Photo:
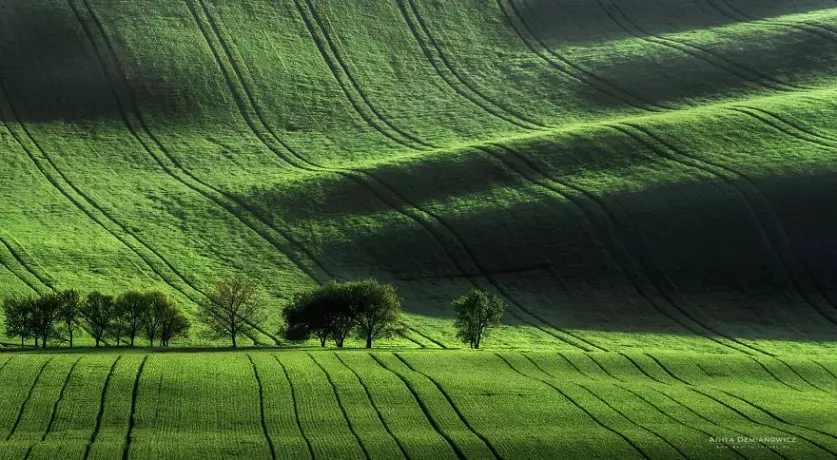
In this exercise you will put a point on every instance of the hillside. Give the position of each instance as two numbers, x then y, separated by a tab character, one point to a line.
631	174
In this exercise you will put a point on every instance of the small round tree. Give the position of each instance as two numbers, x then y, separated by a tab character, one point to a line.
476	313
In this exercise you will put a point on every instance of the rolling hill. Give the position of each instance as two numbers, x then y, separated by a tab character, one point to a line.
631	174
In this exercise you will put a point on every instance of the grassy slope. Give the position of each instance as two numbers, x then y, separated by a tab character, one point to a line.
413	404
627	175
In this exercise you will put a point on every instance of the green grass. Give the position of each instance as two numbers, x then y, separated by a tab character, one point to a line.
412	404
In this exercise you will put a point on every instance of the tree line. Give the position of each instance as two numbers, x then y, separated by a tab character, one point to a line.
234	307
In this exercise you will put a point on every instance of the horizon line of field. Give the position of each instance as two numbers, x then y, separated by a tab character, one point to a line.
460	436
269	336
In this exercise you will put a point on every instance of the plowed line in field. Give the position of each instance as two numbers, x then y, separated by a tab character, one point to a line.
235	207
572	70
418	214
261	408
576	404
101	411
778	241
296	406
710	57
773	375
423	407
349	174
6	363
690	387
824	139
612	235
341	67
832	374
798	374
478	98
28	268
452	405
807	27
374	405
126	450
340	404
54	410
697	389
26	400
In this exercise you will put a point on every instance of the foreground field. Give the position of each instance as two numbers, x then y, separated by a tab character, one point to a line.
433	404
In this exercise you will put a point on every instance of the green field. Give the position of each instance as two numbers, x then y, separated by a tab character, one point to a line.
413	404
648	184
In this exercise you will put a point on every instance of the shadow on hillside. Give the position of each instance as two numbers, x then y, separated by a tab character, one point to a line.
574	21
697	238
51	71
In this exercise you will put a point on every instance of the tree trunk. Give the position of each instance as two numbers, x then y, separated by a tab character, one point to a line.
151	341
323	341
44	341
21	342
235	345
71	337
97	342
132	340
36	341
369	341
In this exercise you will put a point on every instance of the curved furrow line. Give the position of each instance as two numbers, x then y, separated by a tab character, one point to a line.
612	235
420	334
412	211
698	52
773	375
423	408
739	16
765	219
374	405
769	414
261	407
723	427
827	370
20	261
829	141
326	46
101	411
240	210
799	374
126	449
340	405
632	422
625	416
471	93
28	397
58	401
296	406
418	214
570	69
786	249
452	405
573	365
576	404
689	385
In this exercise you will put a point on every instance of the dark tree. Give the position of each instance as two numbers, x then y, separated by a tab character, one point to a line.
232	307
476	312
377	309
131	308
156	305
305	317
173	324
69	304
98	312
18	314
44	316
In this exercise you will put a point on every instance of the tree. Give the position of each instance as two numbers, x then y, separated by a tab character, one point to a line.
69	303
156	305
173	324
43	317
98	312
232	307
377	309
305	317
131	308
477	312
18	312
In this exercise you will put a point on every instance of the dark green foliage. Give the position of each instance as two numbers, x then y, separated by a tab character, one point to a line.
476	313
69	305
44	316
17	312
173	324
98	313
130	314
334	310
233	307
